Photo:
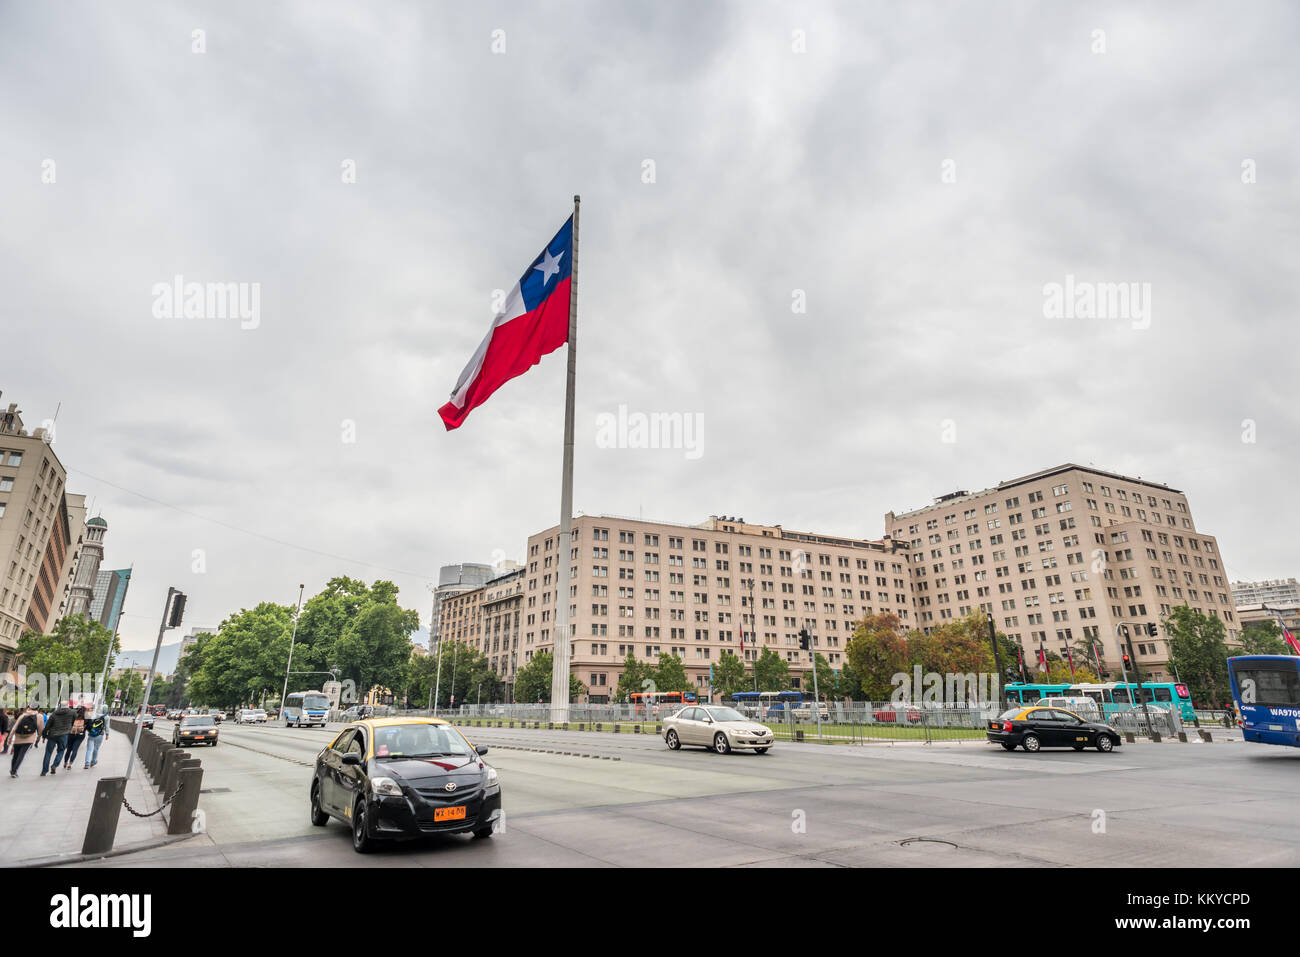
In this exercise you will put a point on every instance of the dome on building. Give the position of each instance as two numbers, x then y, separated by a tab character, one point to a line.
97	521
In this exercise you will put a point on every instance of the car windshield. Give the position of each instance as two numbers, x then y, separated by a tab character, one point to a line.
725	714
419	741
316	702
1010	714
197	721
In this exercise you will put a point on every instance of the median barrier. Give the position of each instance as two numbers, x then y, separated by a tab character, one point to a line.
636	728
1182	736
616	728
1129	737
550	726
598	725
1206	736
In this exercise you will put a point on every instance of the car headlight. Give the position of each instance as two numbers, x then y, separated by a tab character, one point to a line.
491	775
386	787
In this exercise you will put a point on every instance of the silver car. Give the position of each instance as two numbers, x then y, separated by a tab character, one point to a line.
720	728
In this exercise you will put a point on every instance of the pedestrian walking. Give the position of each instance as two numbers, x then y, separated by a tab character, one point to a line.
96	735
5	723
27	729
75	737
57	728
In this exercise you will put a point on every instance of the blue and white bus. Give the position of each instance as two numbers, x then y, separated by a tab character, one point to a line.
305	709
1266	689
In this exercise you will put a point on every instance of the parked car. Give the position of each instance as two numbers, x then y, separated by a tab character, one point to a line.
358	712
890	714
377	777
806	713
716	727
1034	728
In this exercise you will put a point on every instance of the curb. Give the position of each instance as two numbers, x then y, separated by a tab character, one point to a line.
116	852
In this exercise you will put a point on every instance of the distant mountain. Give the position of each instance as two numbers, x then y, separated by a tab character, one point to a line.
167	658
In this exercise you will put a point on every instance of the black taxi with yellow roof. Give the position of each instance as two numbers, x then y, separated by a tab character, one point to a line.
1033	728
401	778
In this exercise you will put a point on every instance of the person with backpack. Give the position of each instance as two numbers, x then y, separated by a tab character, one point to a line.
55	734
75	737
27	728
96	735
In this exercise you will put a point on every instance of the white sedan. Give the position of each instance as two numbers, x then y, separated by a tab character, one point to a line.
716	727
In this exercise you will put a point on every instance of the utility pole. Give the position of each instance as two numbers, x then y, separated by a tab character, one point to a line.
292	639
997	662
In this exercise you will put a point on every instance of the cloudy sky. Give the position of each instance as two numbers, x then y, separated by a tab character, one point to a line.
914	173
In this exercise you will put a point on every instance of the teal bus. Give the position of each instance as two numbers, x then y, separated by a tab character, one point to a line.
1112	696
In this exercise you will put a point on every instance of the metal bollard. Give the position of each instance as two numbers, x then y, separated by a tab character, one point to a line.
180	815
598	726
101	829
167	780
1129	737
616	728
550	726
1182	736
636	728
798	734
1206	736
564	726
1155	736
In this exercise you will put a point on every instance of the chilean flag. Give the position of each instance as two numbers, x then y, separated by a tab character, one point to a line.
533	322
1290	638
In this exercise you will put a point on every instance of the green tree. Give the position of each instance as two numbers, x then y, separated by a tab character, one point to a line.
75	646
773	672
630	682
729	675
877	653
1198	650
849	684
467	674
1263	638
533	680
670	674
375	647
247	655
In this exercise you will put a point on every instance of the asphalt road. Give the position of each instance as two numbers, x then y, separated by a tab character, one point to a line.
627	799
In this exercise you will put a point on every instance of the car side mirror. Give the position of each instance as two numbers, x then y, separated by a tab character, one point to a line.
480	749
352	758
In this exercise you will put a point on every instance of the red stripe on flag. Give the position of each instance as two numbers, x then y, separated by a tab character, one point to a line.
516	347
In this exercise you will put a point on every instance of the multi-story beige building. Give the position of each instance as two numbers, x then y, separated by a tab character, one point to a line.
40	533
1063	556
644	587
487	618
1288	612
1274	590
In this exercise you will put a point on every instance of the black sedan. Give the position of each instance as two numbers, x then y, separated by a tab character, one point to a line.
1036	728
195	729
398	778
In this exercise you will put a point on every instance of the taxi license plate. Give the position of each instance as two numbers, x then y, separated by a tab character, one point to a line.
449	814
198	737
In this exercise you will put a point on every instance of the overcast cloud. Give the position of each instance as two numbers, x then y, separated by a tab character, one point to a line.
775	171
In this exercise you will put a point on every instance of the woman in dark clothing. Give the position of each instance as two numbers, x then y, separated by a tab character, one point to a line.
75	737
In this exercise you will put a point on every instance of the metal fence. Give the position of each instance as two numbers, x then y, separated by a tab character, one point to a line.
842	722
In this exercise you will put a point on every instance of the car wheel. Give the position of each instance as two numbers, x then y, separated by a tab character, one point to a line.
1104	743
318	817
484	832
1008	746
362	842
673	741
760	750
1031	743
721	744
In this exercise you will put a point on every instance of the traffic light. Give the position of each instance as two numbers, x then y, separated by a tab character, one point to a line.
805	642
178	611
1127	662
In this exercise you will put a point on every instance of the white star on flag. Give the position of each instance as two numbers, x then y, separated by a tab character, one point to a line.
549	266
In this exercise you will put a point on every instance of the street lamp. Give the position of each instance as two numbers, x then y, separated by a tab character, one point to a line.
292	638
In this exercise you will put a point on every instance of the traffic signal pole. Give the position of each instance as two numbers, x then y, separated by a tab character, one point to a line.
1128	644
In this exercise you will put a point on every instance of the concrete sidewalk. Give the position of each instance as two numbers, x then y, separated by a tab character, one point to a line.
43	819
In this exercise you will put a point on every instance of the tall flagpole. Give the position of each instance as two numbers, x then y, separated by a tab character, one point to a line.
560	672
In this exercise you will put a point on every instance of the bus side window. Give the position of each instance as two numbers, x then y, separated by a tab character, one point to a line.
1162	694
